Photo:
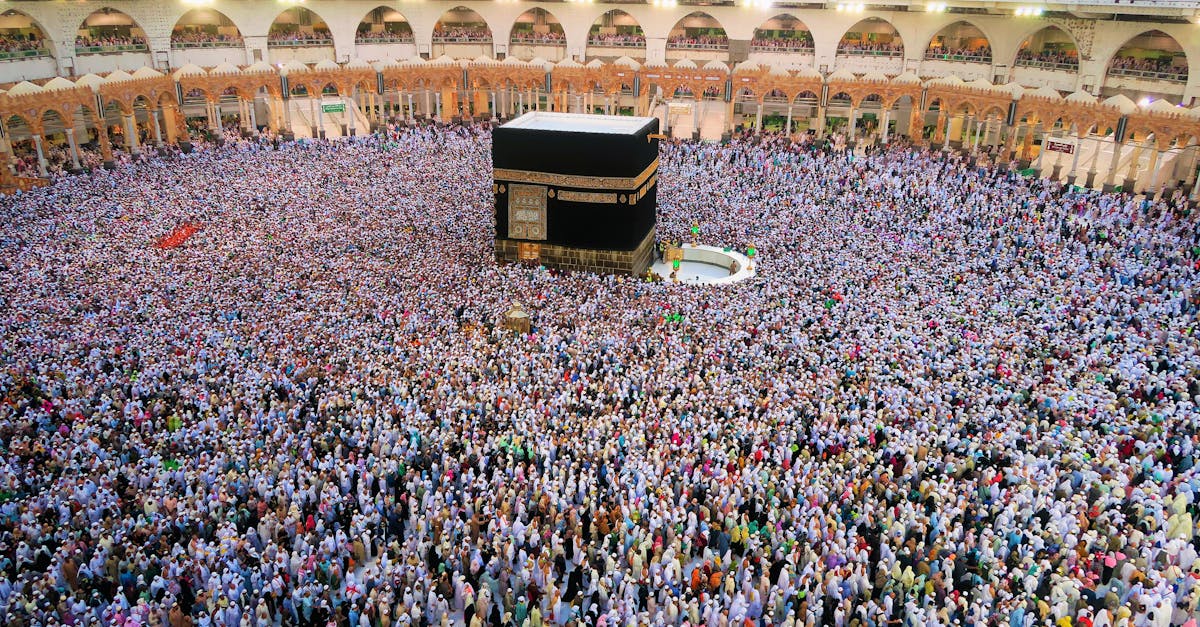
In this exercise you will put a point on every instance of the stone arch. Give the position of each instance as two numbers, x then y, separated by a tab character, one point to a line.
994	110
54	121
805	94
105	24
745	90
554	34
840	98
318	28
1172	69
872	96
963	43
479	30
1063	51
390	29
690	31
8	26
855	40
181	33
768	40
617	28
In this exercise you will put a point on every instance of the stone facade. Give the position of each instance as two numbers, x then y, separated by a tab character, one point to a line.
632	262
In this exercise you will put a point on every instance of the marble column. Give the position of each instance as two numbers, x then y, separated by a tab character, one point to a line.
73	147
1152	169
131	133
154	127
41	155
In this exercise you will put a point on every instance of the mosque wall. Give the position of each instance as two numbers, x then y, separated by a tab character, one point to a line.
1096	40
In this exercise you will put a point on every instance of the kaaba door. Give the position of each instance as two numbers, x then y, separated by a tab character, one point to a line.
529	252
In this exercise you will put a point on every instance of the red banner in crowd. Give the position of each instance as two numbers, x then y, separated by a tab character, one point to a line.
178	236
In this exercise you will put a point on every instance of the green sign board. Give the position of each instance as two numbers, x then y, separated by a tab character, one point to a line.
339	107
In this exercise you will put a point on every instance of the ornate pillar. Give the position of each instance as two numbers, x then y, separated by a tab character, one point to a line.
757	121
1027	145
1075	159
789	119
1131	176
1191	169
852	126
437	98
287	115
131	132
1010	147
171	121
73	147
319	118
1152	169
154	126
1114	163
885	119
1195	190
41	156
1041	158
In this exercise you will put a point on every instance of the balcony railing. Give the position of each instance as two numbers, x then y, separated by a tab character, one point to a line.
1048	65
395	39
538	41
802	49
187	45
17	55
697	46
111	49
617	43
1172	77
961	58
853	52
298	43
462	39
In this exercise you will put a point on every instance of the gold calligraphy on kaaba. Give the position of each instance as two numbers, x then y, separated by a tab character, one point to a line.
615	183
594	197
527	211
641	193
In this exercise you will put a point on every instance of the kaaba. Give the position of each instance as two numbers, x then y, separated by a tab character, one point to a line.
576	191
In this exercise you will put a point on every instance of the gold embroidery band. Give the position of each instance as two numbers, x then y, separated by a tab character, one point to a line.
595	197
576	180
641	193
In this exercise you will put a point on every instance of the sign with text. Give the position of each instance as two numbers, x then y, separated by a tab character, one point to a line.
1055	145
337	107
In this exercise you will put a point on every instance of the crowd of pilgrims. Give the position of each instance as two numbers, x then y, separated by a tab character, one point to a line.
950	396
